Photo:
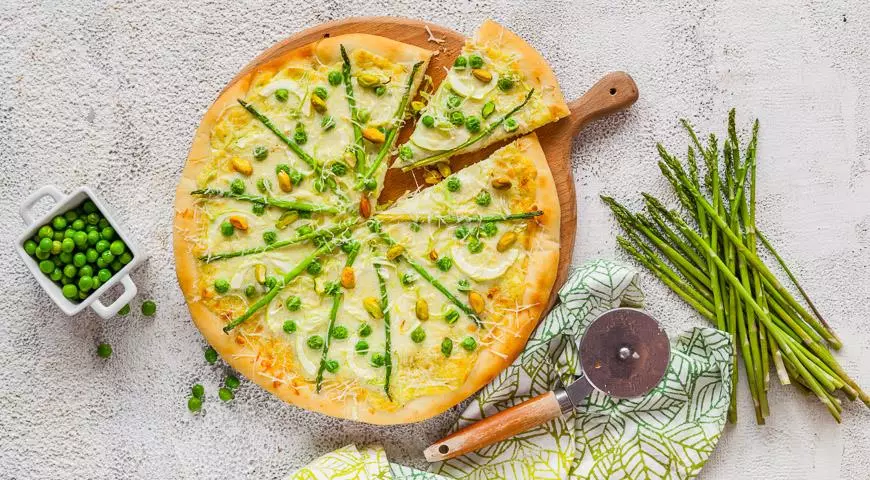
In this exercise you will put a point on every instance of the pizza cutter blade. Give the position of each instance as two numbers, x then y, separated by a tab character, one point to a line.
624	353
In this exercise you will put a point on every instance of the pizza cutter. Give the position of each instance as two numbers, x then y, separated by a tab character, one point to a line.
624	353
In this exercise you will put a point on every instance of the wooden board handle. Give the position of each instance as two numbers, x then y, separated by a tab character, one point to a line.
614	92
496	428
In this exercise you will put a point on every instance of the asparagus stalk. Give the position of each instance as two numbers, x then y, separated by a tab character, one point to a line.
270	201
333	312
294	147
320	232
435	283
439	157
454	219
385	307
359	150
390	137
288	277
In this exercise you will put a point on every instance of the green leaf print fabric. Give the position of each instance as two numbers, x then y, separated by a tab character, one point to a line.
669	433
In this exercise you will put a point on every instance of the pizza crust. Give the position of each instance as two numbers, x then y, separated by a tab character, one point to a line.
535	68
540	276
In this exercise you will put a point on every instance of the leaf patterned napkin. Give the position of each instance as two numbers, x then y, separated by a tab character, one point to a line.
669	433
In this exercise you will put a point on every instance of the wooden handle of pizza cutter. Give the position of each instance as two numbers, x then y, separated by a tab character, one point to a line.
498	427
614	92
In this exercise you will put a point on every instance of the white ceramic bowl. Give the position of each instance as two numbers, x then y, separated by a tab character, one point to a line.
63	203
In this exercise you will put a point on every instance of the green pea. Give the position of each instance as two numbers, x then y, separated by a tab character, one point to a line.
270	237
81	239
363	115
126	258
42	254
460	63
70	216
104	350
45	232
194	404
107	257
237	186
338	332
30	247
407	279
46	266
69	233
197	391
107	233
91	255
370	184
149	308
65	257
89	206
299	136
469	344
334	78
361	347
380	90
86	271
56	274
475	61
510	125
103	223
447	347
461	232
93	218
78	224
331	366
505	84
454	101
270	282
221	286
56	247
428	121
321	92
59	223
364	330
96	284
327	123
314	267
489	229
226	394
117	247
70	270
232	382
124	310
378	359
93	237
451	316
67	280
57	236
331	288
250	291
102	246
444	264
293	303
282	94
418	335
296	178
289	327
315	342
227	230
457	118
475	246
101	264
45	244
472	123
70	291
85	283
405	152
414	226
210	355
483	198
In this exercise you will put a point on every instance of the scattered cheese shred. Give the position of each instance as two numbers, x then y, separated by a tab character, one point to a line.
433	38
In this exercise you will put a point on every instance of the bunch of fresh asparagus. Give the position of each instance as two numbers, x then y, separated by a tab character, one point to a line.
708	255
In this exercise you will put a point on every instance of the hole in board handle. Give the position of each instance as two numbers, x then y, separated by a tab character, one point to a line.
612	91
443	449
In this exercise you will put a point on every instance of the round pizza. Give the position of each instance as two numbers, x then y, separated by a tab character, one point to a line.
377	313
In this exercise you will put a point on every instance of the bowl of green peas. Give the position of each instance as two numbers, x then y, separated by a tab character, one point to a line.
77	251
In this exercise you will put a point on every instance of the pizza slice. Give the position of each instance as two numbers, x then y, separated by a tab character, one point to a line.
499	87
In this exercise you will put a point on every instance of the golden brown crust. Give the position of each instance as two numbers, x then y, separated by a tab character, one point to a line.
535	68
540	274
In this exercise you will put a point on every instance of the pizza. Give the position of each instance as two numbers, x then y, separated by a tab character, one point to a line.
294	274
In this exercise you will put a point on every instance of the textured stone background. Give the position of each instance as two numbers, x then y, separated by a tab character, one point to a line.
108	94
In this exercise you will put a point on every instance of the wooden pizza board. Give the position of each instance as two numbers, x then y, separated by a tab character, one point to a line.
615	91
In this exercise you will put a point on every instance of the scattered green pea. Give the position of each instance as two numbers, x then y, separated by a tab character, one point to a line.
460	63
339	332
451	316
210	355
260	153
334	78
331	366
221	286
475	246
227	229
293	303
454	101
510	125
149	308
444	263
237	186
289	327
282	94
475	61
378	359
232	382
428	121
314	268
405	152
270	237
469	344
380	90
361	347
418	335
226	394
315	342
125	310
483	198
364	330
505	84
197	390
104	350
250	291
194	404
457	118
447	347
321	92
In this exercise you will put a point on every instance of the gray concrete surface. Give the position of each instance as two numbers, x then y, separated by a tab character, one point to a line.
108	94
